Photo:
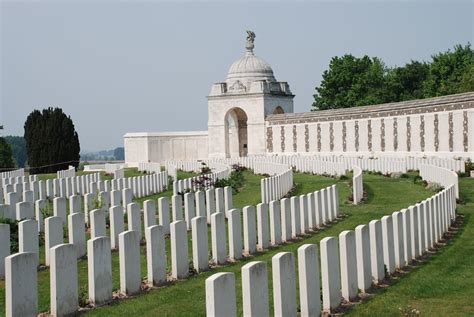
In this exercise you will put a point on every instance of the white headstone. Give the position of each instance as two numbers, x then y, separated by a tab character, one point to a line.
200	243
255	289
116	225
309	285
77	232
156	255
179	250
63	279
218	237
53	235
220	295
99	266
250	232
129	258
330	274
235	234
21	279
284	284
348	257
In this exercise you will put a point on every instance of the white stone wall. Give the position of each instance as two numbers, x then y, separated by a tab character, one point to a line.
443	127
159	147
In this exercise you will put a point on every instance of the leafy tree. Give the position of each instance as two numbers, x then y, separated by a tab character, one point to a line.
52	142
351	81
451	72
6	157
18	145
119	154
406	83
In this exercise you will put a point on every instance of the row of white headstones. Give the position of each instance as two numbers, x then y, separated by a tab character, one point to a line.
265	225
354	261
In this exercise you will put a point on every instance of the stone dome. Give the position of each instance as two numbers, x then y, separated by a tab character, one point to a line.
250	68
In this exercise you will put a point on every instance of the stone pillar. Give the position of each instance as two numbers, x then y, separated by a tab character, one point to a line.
97	223
220	295
250	232
285	211
376	251
189	210
255	289
129	258
63	280
348	257
149	213
134	218
21	284
164	214
53	235
77	233
388	244
284	284
179	250
200	243
309	285
235	234
156	255
330	274
99	270
218	237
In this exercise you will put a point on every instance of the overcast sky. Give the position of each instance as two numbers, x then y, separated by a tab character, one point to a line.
130	66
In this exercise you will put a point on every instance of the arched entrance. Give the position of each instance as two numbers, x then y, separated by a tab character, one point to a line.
236	133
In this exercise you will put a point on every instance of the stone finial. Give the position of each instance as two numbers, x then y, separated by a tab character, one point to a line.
250	41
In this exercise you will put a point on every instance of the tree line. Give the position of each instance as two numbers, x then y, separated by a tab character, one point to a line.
359	81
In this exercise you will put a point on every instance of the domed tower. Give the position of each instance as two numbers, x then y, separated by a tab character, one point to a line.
238	107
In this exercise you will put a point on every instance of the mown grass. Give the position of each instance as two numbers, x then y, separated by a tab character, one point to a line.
428	292
443	283
187	298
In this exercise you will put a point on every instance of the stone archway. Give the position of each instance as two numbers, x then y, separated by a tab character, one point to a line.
236	141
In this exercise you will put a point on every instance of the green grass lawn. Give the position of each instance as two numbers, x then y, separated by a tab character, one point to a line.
385	196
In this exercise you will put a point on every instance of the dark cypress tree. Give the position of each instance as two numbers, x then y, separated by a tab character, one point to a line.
52	143
6	157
